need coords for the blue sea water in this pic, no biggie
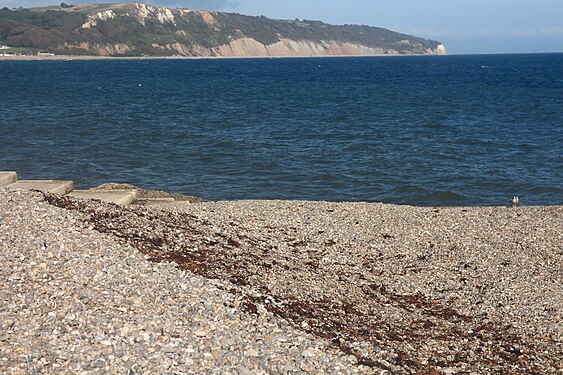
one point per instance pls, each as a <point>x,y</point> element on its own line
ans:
<point>440,130</point>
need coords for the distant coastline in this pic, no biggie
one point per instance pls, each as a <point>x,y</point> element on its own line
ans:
<point>94,57</point>
<point>137,29</point>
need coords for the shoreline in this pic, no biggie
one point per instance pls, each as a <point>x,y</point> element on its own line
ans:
<point>332,287</point>
<point>94,57</point>
<point>124,58</point>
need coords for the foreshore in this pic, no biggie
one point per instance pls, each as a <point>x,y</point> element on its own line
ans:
<point>278,287</point>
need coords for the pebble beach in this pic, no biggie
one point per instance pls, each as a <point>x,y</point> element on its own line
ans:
<point>278,287</point>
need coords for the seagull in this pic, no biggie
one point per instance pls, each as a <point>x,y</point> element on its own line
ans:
<point>515,201</point>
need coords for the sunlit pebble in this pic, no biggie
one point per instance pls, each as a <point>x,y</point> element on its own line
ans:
<point>140,85</point>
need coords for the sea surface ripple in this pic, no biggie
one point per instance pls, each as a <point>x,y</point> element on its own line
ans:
<point>440,130</point>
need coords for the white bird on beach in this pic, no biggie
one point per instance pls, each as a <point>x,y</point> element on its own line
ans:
<point>515,201</point>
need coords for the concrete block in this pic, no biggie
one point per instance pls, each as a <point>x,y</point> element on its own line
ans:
<point>109,196</point>
<point>8,178</point>
<point>48,186</point>
<point>153,201</point>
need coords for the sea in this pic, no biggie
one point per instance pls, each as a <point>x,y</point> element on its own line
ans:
<point>466,130</point>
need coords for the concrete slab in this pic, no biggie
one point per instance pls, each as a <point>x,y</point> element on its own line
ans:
<point>48,186</point>
<point>153,201</point>
<point>8,178</point>
<point>109,196</point>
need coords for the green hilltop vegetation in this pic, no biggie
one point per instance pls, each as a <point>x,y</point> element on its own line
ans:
<point>136,29</point>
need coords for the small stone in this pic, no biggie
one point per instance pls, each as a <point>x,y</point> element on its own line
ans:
<point>309,353</point>
<point>200,333</point>
<point>252,353</point>
<point>166,362</point>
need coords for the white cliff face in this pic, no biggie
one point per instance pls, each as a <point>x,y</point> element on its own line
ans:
<point>440,50</point>
<point>248,47</point>
<point>300,48</point>
<point>182,50</point>
<point>94,18</point>
<point>142,12</point>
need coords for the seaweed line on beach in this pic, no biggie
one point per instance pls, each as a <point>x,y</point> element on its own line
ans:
<point>432,336</point>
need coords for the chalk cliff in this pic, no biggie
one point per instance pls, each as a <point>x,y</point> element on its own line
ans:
<point>136,29</point>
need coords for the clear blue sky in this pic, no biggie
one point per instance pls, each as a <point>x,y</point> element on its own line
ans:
<point>464,26</point>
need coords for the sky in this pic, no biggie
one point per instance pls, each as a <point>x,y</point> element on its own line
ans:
<point>464,26</point>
